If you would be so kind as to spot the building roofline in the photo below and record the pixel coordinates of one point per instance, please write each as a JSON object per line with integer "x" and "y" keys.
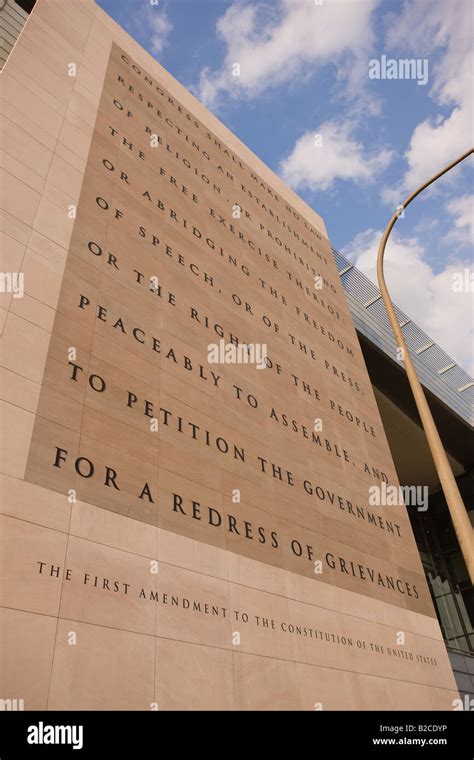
{"x": 437, "y": 371}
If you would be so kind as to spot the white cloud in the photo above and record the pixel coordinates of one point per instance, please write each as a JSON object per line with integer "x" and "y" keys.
{"x": 340, "y": 156}
{"x": 423, "y": 28}
{"x": 462, "y": 209}
{"x": 279, "y": 43}
{"x": 161, "y": 27}
{"x": 151, "y": 26}
{"x": 426, "y": 297}
{"x": 275, "y": 43}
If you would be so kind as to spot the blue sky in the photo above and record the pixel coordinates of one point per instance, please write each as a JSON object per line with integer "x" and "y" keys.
{"x": 304, "y": 72}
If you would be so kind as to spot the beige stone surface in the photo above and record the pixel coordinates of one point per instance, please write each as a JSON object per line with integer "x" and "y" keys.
{"x": 116, "y": 598}
{"x": 106, "y": 669}
{"x": 27, "y": 675}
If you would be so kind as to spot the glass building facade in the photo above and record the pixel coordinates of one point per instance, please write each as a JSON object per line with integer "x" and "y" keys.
{"x": 450, "y": 587}
{"x": 449, "y": 390}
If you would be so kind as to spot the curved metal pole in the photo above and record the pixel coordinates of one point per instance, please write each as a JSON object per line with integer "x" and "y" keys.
{"x": 459, "y": 516}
